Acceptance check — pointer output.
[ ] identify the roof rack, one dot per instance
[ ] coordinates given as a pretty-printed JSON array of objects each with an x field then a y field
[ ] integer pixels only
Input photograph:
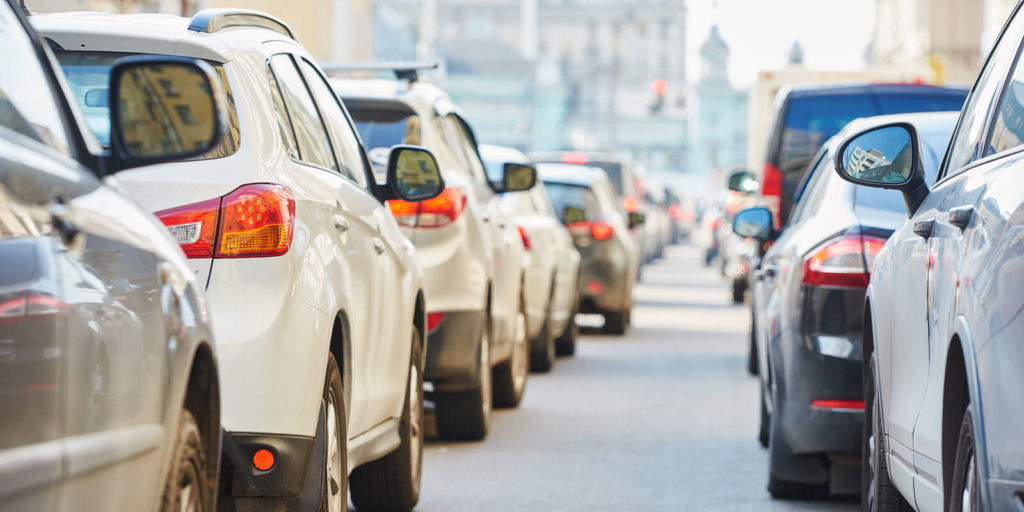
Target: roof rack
[
  {"x": 212, "y": 20},
  {"x": 403, "y": 70}
]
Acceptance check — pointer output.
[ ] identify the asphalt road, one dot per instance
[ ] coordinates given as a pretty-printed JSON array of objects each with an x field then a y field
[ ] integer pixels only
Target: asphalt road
[{"x": 662, "y": 419}]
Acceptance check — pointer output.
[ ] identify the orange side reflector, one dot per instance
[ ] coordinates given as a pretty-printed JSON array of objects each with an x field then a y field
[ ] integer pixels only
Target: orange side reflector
[{"x": 263, "y": 459}]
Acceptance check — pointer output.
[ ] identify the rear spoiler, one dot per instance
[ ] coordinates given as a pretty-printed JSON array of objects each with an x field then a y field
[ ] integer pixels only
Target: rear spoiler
[{"x": 402, "y": 70}]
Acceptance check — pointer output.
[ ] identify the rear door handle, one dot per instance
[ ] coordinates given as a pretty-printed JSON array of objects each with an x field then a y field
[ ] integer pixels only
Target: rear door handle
[
  {"x": 924, "y": 227},
  {"x": 341, "y": 223},
  {"x": 378, "y": 246},
  {"x": 961, "y": 216}
]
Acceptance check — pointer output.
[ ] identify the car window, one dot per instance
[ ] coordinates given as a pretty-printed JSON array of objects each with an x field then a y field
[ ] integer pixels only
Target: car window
[
  {"x": 383, "y": 128},
  {"x": 564, "y": 195},
  {"x": 339, "y": 127},
  {"x": 811, "y": 120},
  {"x": 284, "y": 125},
  {"x": 1008, "y": 128},
  {"x": 314, "y": 146},
  {"x": 967, "y": 138},
  {"x": 27, "y": 104},
  {"x": 803, "y": 185},
  {"x": 814, "y": 191},
  {"x": 88, "y": 75},
  {"x": 462, "y": 142}
]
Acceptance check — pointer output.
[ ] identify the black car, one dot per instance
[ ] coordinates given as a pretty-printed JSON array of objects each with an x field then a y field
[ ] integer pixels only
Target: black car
[
  {"x": 808, "y": 314},
  {"x": 808, "y": 116},
  {"x": 109, "y": 397}
]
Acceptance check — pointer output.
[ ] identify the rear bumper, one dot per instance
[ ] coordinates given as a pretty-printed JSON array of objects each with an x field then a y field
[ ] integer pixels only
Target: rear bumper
[
  {"x": 453, "y": 351},
  {"x": 284, "y": 479},
  {"x": 606, "y": 280}
]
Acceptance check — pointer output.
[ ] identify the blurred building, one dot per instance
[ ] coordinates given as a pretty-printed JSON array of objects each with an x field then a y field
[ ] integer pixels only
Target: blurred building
[
  {"x": 719, "y": 135},
  {"x": 941, "y": 41},
  {"x": 329, "y": 29}
]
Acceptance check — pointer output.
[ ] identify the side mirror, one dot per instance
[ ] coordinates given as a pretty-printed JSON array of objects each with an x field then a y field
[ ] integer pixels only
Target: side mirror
[
  {"x": 164, "y": 109},
  {"x": 516, "y": 178},
  {"x": 753, "y": 223},
  {"x": 571, "y": 215},
  {"x": 636, "y": 219},
  {"x": 744, "y": 182},
  {"x": 887, "y": 156},
  {"x": 413, "y": 174}
]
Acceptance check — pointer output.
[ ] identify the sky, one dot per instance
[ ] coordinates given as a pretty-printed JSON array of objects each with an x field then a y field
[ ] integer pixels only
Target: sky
[{"x": 760, "y": 33}]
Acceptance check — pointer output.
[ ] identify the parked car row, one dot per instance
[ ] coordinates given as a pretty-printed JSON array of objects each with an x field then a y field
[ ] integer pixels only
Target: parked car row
[
  {"x": 885, "y": 317},
  {"x": 214, "y": 297}
]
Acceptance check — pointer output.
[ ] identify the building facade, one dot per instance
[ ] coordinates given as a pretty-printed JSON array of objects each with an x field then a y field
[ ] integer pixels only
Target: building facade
[{"x": 719, "y": 137}]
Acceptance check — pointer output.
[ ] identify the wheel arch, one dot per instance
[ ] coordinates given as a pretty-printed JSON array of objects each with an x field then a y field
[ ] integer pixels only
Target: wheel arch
[
  {"x": 202, "y": 399},
  {"x": 960, "y": 393},
  {"x": 341, "y": 349},
  {"x": 419, "y": 320}
]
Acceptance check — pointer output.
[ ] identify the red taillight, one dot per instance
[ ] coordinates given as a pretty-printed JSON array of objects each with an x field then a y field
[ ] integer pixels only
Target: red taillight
[
  {"x": 194, "y": 226},
  {"x": 771, "y": 191},
  {"x": 574, "y": 158},
  {"x": 842, "y": 263},
  {"x": 253, "y": 220},
  {"x": 525, "y": 237},
  {"x": 432, "y": 213},
  {"x": 630, "y": 204},
  {"x": 845, "y": 405},
  {"x": 675, "y": 212},
  {"x": 598, "y": 229},
  {"x": 434, "y": 320},
  {"x": 33, "y": 305}
]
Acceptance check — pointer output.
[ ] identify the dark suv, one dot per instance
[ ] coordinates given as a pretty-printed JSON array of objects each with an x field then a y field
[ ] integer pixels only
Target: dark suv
[
  {"x": 808, "y": 116},
  {"x": 109, "y": 398}
]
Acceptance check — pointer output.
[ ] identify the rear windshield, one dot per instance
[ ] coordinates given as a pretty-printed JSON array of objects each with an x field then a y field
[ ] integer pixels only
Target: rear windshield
[
  {"x": 88, "y": 74},
  {"x": 614, "y": 170},
  {"x": 563, "y": 195},
  {"x": 386, "y": 128},
  {"x": 933, "y": 145},
  {"x": 21, "y": 264}
]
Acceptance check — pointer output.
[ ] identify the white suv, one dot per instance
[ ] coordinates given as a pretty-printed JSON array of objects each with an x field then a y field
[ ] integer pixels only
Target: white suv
[
  {"x": 471, "y": 253},
  {"x": 315, "y": 293}
]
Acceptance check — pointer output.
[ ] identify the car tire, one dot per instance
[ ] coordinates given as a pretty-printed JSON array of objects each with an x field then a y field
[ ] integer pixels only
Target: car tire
[
  {"x": 753, "y": 367},
  {"x": 334, "y": 494},
  {"x": 543, "y": 359},
  {"x": 763, "y": 430},
  {"x": 392, "y": 483},
  {"x": 466, "y": 415},
  {"x": 878, "y": 494},
  {"x": 510, "y": 376},
  {"x": 188, "y": 487},
  {"x": 615, "y": 323},
  {"x": 965, "y": 493},
  {"x": 565, "y": 345},
  {"x": 739, "y": 291}
]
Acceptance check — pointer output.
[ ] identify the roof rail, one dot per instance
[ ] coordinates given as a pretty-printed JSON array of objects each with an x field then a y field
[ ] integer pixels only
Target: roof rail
[
  {"x": 407, "y": 70},
  {"x": 212, "y": 20}
]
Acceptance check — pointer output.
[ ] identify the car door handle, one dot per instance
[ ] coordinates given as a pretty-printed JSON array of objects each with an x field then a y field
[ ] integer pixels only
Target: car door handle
[
  {"x": 341, "y": 223},
  {"x": 924, "y": 227},
  {"x": 378, "y": 246},
  {"x": 765, "y": 273},
  {"x": 961, "y": 216}
]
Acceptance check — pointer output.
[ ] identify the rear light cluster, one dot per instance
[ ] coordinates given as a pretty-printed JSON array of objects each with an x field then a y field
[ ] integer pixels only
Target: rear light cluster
[
  {"x": 843, "y": 263},
  {"x": 432, "y": 213},
  {"x": 598, "y": 229},
  {"x": 526, "y": 238},
  {"x": 630, "y": 204},
  {"x": 252, "y": 221},
  {"x": 771, "y": 191},
  {"x": 33, "y": 305}
]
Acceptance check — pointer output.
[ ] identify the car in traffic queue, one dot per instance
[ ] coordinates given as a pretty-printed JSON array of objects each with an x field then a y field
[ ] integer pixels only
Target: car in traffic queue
[
  {"x": 471, "y": 253},
  {"x": 316, "y": 293},
  {"x": 942, "y": 323},
  {"x": 109, "y": 383},
  {"x": 552, "y": 268},
  {"x": 807, "y": 116},
  {"x": 601, "y": 231},
  {"x": 809, "y": 296}
]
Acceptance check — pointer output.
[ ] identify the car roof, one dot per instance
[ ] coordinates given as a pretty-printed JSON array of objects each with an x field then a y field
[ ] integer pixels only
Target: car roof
[
  {"x": 502, "y": 154},
  {"x": 149, "y": 33},
  {"x": 856, "y": 89},
  {"x": 571, "y": 174},
  {"x": 364, "y": 91}
]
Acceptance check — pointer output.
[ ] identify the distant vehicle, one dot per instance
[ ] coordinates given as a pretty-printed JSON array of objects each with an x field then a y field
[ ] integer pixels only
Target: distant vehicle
[
  {"x": 471, "y": 253},
  {"x": 806, "y": 117},
  {"x": 942, "y": 320},
  {"x": 808, "y": 299},
  {"x": 601, "y": 231},
  {"x": 552, "y": 268},
  {"x": 109, "y": 388},
  {"x": 317, "y": 294}
]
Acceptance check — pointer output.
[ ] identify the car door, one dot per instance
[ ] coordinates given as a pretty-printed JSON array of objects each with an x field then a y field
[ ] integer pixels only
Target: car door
[
  {"x": 345, "y": 216},
  {"x": 391, "y": 297}
]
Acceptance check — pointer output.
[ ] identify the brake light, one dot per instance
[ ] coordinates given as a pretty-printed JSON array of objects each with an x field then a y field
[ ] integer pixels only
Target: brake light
[
  {"x": 771, "y": 191},
  {"x": 432, "y": 213},
  {"x": 434, "y": 320},
  {"x": 843, "y": 263},
  {"x": 574, "y": 158},
  {"x": 630, "y": 204},
  {"x": 525, "y": 237},
  {"x": 17, "y": 310},
  {"x": 675, "y": 212},
  {"x": 193, "y": 226},
  {"x": 252, "y": 221}
]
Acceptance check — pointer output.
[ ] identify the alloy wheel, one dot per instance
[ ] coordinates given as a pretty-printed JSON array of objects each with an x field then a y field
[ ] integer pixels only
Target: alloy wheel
[{"x": 415, "y": 423}]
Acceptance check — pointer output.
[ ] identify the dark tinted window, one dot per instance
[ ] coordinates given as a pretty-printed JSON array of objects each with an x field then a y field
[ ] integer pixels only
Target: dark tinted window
[
  {"x": 933, "y": 145},
  {"x": 88, "y": 74},
  {"x": 917, "y": 102},
  {"x": 314, "y": 146},
  {"x": 810, "y": 121},
  {"x": 563, "y": 195},
  {"x": 386, "y": 128}
]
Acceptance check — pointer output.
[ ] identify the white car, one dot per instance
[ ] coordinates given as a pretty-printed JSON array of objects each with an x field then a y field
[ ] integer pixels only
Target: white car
[
  {"x": 316, "y": 294},
  {"x": 471, "y": 253},
  {"x": 551, "y": 268}
]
